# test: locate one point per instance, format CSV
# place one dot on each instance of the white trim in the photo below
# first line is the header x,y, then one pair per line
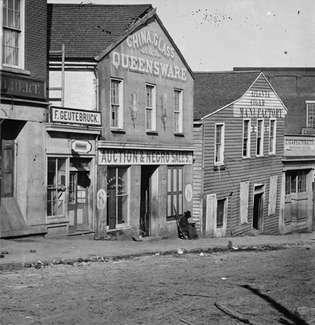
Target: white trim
x,y
221,162
120,115
153,107
273,152
21,38
180,107
248,138
261,136
306,104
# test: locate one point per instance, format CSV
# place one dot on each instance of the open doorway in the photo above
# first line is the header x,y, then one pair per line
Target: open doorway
x,y
145,200
258,211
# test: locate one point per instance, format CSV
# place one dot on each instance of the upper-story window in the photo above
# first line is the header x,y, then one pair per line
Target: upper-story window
x,y
13,33
246,139
272,136
219,144
260,138
178,111
116,99
310,114
150,108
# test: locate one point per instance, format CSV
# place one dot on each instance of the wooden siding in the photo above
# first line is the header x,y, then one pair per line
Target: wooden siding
x,y
197,177
225,182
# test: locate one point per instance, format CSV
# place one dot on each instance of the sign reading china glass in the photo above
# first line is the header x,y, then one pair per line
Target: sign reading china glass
x,y
143,157
156,50
73,116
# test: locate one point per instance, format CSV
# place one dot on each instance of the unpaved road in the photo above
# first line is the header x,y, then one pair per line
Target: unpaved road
x,y
161,289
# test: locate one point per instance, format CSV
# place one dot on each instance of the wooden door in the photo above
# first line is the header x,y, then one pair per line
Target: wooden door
x,y
78,200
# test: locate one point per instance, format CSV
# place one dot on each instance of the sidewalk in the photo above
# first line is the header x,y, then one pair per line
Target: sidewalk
x,y
32,251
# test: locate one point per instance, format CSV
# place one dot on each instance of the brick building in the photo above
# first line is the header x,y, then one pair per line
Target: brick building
x,y
238,138
23,112
133,74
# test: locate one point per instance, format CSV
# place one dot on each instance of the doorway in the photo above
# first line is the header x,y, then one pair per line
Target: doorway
x,y
258,207
78,203
145,199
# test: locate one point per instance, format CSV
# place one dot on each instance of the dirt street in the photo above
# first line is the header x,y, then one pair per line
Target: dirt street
x,y
162,289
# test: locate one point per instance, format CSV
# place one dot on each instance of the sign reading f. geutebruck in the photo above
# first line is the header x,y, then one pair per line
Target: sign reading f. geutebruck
x,y
75,116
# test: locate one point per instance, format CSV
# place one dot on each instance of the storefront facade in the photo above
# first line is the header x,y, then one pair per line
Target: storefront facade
x,y
71,170
23,112
297,212
145,159
238,151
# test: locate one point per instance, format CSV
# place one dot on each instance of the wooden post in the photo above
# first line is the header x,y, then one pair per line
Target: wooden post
x,y
101,202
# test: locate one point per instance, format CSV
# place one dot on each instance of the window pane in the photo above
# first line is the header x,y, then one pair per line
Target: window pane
x,y
174,180
180,204
51,172
180,180
169,206
287,184
302,182
311,115
293,183
169,180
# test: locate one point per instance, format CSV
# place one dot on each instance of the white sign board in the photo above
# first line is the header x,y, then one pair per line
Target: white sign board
x,y
144,157
73,116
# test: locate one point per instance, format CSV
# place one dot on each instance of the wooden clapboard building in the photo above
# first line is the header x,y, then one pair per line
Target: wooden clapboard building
x,y
144,92
238,137
296,88
23,112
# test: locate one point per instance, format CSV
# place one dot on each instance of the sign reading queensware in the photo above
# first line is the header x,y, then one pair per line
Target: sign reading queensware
x,y
143,157
149,51
73,116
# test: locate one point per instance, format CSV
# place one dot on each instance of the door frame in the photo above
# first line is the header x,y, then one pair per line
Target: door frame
x,y
146,202
259,189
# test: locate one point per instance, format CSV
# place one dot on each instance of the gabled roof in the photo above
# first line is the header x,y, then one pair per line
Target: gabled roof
x,y
87,29
215,90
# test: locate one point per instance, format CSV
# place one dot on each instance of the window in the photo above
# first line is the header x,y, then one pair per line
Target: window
x,y
220,213
117,196
174,192
150,107
12,49
246,138
7,156
116,93
295,181
178,111
272,137
219,144
310,113
260,138
56,186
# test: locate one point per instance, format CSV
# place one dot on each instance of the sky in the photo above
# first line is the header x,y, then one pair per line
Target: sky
x,y
217,35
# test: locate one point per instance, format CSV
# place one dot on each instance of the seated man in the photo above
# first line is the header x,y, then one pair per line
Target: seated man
x,y
187,229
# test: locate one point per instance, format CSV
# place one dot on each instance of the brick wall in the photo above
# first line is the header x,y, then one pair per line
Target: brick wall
x,y
36,38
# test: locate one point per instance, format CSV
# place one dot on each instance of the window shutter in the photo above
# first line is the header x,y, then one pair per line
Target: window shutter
x,y
211,209
272,195
244,192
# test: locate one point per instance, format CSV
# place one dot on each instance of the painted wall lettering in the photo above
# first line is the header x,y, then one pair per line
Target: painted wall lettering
x,y
143,157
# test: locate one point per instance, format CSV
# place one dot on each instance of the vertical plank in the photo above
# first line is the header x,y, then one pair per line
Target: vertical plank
x,y
244,192
272,195
101,202
211,207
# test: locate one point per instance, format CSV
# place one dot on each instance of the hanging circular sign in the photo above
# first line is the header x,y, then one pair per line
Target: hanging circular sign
x,y
188,192
101,199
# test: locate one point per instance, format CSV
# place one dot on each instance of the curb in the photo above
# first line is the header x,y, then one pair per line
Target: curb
x,y
15,266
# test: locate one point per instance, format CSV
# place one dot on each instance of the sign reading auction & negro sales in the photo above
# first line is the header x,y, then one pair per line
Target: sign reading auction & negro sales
x,y
143,157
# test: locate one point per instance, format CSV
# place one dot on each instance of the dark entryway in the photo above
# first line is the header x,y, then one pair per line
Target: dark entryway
x,y
258,207
145,203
